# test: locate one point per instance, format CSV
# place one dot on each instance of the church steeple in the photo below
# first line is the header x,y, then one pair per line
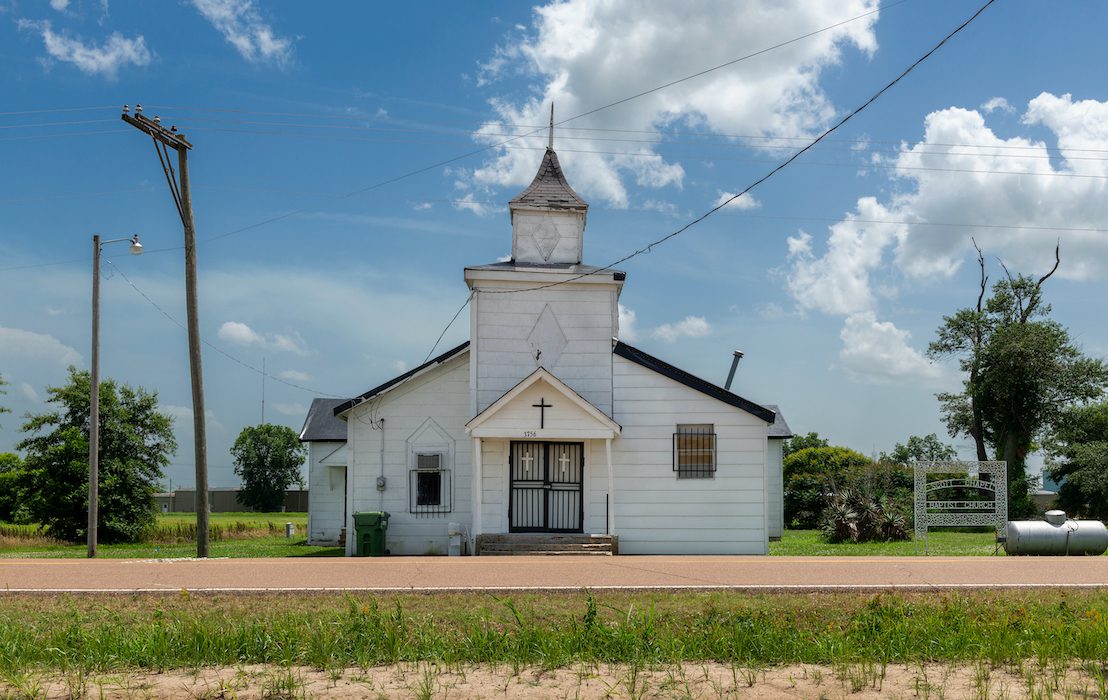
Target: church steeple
x,y
548,217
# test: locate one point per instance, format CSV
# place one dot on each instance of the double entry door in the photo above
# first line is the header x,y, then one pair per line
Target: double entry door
x,y
546,487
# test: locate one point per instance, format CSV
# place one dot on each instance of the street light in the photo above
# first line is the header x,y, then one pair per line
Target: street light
x,y
94,389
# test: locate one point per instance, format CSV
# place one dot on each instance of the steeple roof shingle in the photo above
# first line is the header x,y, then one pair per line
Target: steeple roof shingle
x,y
549,189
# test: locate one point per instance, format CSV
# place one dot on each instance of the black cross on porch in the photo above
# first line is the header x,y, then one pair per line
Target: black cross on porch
x,y
542,405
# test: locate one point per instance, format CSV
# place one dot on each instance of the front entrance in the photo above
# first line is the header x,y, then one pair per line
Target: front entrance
x,y
546,487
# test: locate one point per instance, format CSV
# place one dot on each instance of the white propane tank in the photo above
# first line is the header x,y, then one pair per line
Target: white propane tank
x,y
1057,535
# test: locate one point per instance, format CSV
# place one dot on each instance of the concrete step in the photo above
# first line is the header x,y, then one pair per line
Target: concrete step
x,y
545,543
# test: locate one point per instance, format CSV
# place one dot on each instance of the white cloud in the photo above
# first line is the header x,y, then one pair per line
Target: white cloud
x,y
243,27
422,206
575,51
238,333
106,60
59,5
469,203
28,392
54,311
289,343
660,206
740,204
627,330
291,409
1014,183
292,375
691,326
839,281
960,172
997,103
879,351
182,420
16,342
399,366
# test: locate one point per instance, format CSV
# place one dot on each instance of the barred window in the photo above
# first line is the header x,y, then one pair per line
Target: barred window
x,y
429,485
694,451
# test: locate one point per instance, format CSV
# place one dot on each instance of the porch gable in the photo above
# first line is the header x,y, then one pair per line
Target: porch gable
x,y
542,407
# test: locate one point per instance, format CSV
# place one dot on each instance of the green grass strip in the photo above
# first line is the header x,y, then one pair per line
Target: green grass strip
x,y
106,633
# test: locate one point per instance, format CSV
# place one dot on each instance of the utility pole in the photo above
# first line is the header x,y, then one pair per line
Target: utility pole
x,y
164,139
94,392
94,407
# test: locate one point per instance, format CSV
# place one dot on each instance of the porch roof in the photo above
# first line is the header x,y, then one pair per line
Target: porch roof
x,y
542,406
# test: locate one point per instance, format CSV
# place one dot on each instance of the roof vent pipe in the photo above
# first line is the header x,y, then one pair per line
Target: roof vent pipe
x,y
734,366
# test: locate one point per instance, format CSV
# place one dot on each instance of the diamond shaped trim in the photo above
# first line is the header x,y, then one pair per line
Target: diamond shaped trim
x,y
546,237
547,340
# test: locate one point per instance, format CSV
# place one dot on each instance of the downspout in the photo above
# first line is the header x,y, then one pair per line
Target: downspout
x,y
381,477
348,497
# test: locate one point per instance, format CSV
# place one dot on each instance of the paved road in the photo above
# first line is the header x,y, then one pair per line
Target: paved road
x,y
551,573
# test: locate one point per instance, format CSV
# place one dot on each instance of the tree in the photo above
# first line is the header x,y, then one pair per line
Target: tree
x,y
136,441
802,442
1022,372
267,459
811,475
920,449
1078,456
11,473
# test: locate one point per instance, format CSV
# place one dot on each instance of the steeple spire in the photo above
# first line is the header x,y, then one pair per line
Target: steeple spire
x,y
550,143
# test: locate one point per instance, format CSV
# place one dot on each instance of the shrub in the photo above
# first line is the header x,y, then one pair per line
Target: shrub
x,y
811,475
855,516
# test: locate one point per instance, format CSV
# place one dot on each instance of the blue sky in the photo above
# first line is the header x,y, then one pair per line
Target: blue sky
x,y
831,277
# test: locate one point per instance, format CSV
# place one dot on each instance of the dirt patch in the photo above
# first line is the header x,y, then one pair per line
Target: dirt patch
x,y
864,681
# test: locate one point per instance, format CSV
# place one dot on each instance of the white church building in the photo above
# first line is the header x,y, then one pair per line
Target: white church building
x,y
545,422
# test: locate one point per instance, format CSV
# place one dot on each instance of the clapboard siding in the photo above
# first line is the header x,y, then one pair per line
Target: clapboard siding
x,y
657,512
502,324
326,491
775,494
441,395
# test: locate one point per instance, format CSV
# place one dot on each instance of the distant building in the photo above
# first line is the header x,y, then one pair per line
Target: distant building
x,y
223,500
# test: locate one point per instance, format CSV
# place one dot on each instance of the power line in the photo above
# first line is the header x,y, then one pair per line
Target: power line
x,y
784,164
917,148
38,125
218,349
624,100
57,110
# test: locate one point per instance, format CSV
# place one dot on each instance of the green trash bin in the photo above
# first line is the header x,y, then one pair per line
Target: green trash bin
x,y
369,532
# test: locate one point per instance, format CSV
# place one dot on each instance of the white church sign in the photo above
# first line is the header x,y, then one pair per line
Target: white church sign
x,y
943,502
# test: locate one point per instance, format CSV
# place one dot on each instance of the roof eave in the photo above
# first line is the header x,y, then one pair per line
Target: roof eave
x,y
398,380
692,381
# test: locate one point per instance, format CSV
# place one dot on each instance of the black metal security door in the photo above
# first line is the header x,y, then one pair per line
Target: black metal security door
x,y
546,487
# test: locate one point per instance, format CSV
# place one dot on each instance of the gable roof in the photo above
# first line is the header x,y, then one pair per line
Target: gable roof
x,y
692,381
380,389
780,430
321,423
544,375
549,189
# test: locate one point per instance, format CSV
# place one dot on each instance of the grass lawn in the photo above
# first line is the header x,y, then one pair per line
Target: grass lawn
x,y
237,535
552,631
941,542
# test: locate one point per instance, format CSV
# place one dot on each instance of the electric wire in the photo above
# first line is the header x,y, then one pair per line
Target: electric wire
x,y
448,325
784,164
466,155
212,346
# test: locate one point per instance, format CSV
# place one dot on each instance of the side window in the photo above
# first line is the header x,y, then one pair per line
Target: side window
x,y
694,451
429,485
